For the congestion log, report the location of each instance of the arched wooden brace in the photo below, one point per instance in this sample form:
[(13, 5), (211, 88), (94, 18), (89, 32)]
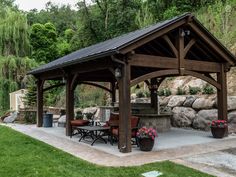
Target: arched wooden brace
[(203, 77), (161, 73), (96, 85), (53, 86), (86, 83), (175, 72)]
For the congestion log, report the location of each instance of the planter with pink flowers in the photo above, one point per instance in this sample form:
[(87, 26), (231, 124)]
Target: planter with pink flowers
[(146, 137)]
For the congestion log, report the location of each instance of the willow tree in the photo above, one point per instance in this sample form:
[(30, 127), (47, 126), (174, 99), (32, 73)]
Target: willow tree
[(14, 37), (13, 71)]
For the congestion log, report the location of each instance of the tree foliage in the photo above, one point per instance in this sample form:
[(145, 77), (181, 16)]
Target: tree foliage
[(63, 17), (43, 38), (14, 37), (12, 76)]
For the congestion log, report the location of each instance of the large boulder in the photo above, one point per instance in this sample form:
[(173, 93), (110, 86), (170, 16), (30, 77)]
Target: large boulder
[(204, 118), (232, 122), (183, 117), (163, 101), (89, 110), (203, 103), (189, 101), (231, 103), (176, 101), (11, 118)]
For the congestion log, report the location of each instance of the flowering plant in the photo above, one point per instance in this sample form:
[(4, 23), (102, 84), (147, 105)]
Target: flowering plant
[(219, 124), (146, 133)]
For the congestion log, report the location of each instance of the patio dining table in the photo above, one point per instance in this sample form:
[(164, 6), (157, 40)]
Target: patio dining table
[(94, 132)]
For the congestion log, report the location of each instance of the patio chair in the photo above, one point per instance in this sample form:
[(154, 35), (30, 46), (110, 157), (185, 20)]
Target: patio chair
[(77, 123), (134, 129), (114, 117)]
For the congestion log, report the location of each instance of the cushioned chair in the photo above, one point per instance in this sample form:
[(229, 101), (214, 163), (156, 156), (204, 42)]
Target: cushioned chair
[(134, 129), (114, 117), (77, 123)]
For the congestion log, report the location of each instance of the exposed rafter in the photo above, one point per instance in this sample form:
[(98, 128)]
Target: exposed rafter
[(189, 45), (171, 45)]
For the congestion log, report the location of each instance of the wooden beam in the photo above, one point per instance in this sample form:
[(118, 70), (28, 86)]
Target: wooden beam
[(152, 36), (171, 45), (203, 77), (124, 110), (189, 45), (172, 63), (153, 61), (202, 66), (50, 75), (211, 43), (161, 73), (96, 85), (222, 95), (113, 93), (69, 104), (181, 61), (40, 84), (53, 86)]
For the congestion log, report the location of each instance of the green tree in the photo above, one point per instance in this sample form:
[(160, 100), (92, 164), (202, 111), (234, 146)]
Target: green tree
[(12, 75), (43, 39), (14, 37), (63, 17)]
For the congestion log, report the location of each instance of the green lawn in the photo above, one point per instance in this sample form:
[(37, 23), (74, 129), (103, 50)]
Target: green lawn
[(22, 156)]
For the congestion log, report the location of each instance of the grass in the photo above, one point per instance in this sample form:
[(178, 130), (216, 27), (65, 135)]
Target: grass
[(22, 156)]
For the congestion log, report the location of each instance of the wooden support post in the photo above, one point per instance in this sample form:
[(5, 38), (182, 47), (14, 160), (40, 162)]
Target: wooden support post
[(181, 51), (113, 93), (40, 102), (153, 91), (124, 110), (69, 103), (222, 95)]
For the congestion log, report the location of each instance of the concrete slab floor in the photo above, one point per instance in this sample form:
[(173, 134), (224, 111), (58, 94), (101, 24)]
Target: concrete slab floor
[(172, 145)]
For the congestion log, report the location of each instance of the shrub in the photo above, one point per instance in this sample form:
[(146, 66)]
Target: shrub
[(140, 94), (208, 89), (180, 91), (30, 117), (161, 92), (194, 90), (79, 115), (164, 92), (168, 92)]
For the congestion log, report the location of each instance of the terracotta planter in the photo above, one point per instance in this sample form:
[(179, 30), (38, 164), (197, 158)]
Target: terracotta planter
[(218, 132), (146, 144)]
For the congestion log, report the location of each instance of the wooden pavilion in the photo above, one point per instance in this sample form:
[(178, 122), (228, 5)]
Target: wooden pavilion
[(177, 47)]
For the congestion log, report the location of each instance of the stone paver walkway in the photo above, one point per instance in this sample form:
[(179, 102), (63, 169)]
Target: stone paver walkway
[(195, 156)]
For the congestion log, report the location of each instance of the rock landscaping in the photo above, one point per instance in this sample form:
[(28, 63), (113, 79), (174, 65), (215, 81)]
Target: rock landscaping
[(197, 111)]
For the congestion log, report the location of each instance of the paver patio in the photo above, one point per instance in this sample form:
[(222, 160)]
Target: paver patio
[(173, 145)]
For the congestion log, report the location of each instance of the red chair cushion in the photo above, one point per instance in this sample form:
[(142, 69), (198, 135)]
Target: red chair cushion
[(79, 122), (113, 117), (115, 131), (134, 121)]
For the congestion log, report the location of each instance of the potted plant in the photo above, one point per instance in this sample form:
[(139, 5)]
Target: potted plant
[(146, 138), (219, 128)]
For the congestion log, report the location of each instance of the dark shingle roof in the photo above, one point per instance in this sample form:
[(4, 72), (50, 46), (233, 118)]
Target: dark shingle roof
[(105, 48)]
